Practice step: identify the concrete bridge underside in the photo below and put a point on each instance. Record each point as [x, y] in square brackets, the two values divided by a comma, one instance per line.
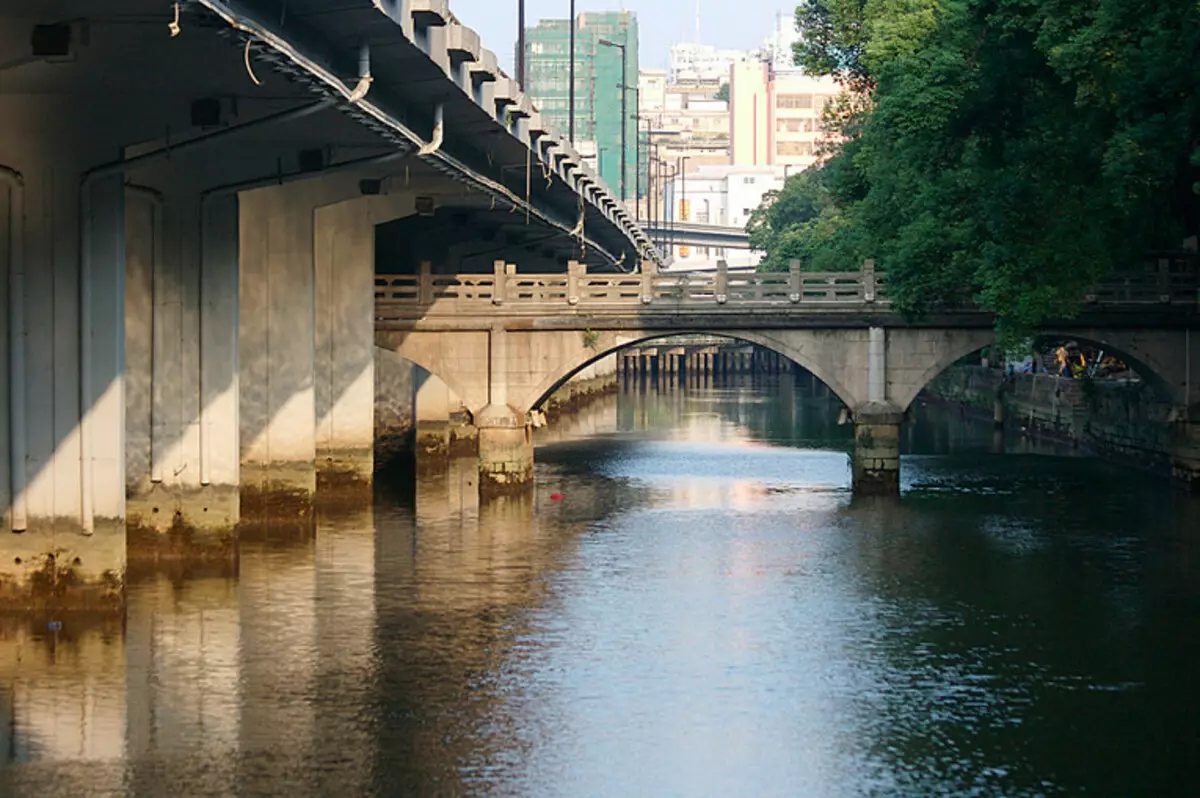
[190, 205]
[192, 233]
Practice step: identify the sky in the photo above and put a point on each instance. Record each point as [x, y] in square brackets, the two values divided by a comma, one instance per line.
[737, 24]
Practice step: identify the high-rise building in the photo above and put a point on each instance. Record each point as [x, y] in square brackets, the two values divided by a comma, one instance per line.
[598, 87]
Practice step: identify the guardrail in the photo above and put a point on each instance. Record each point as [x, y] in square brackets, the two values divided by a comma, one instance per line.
[397, 295]
[576, 288]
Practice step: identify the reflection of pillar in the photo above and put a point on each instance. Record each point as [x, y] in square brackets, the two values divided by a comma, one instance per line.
[876, 461]
[65, 698]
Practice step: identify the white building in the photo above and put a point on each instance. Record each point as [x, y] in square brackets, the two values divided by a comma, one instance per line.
[778, 45]
[702, 63]
[719, 195]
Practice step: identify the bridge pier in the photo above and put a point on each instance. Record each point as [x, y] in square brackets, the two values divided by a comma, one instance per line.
[505, 453]
[876, 458]
[1185, 460]
[181, 426]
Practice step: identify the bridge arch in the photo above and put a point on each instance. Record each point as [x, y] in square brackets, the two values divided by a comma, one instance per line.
[608, 343]
[1145, 355]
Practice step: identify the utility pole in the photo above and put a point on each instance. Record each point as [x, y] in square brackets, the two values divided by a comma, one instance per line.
[520, 65]
[571, 81]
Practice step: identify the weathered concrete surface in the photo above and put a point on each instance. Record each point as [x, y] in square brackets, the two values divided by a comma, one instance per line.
[181, 411]
[1185, 457]
[394, 398]
[69, 546]
[344, 357]
[876, 458]
[505, 453]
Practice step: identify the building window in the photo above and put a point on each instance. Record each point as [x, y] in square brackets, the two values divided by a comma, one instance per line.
[796, 125]
[794, 101]
[748, 181]
[794, 148]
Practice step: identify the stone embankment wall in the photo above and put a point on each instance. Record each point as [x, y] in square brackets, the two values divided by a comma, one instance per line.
[1122, 420]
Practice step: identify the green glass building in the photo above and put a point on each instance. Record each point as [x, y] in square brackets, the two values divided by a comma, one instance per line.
[597, 85]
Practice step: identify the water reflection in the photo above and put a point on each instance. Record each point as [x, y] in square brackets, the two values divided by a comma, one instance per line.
[707, 611]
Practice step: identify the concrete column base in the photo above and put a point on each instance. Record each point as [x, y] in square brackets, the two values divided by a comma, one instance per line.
[177, 523]
[277, 501]
[53, 566]
[505, 453]
[876, 460]
[345, 476]
[1185, 458]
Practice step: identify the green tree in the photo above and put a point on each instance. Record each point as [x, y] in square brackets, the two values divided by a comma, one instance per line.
[1012, 150]
[722, 93]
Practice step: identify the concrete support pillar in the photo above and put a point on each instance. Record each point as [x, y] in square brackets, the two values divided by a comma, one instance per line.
[877, 365]
[276, 357]
[1185, 459]
[876, 459]
[344, 262]
[65, 536]
[182, 440]
[505, 436]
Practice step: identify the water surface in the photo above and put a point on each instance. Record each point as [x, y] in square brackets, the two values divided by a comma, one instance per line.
[706, 612]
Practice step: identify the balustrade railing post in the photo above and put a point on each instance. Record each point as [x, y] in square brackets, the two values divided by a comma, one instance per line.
[1164, 280]
[499, 282]
[648, 275]
[575, 270]
[793, 281]
[425, 283]
[722, 286]
[868, 272]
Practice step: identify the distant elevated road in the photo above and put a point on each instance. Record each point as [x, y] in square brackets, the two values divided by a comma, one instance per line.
[699, 235]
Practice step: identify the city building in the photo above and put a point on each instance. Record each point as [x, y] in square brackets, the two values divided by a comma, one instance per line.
[775, 116]
[598, 91]
[778, 46]
[703, 64]
[718, 195]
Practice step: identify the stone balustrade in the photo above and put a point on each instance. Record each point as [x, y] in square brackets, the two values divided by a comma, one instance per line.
[400, 297]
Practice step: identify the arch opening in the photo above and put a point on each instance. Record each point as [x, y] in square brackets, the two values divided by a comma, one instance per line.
[1100, 359]
[610, 344]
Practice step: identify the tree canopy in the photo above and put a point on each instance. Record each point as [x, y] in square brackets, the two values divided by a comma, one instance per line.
[1015, 149]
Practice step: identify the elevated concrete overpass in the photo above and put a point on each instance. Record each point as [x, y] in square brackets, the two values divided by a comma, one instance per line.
[193, 198]
[699, 235]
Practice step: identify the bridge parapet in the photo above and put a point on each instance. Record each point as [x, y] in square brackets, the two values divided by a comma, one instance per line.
[402, 297]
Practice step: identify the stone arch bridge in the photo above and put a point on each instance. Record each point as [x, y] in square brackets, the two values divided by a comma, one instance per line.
[504, 341]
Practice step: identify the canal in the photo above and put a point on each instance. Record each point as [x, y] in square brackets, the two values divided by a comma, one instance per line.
[691, 604]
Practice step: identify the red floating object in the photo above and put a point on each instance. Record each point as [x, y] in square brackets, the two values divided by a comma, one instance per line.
[557, 497]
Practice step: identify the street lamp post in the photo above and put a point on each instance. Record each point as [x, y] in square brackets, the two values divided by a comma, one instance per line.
[521, 44]
[571, 80]
[624, 111]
